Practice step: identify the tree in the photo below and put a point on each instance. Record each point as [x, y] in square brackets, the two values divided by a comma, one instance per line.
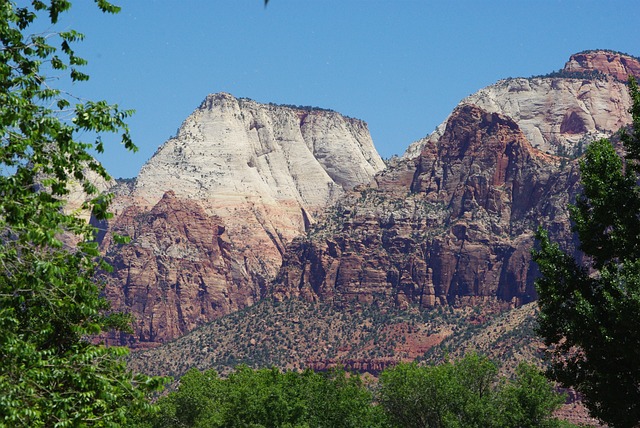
[51, 374]
[590, 311]
[268, 398]
[196, 403]
[468, 393]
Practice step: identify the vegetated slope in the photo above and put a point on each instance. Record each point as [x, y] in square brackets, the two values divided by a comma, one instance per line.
[296, 334]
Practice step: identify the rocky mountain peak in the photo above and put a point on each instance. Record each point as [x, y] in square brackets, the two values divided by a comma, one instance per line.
[616, 64]
[459, 231]
[257, 174]
[301, 155]
[560, 113]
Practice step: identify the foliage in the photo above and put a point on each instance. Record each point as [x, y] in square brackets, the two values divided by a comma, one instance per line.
[51, 374]
[296, 334]
[566, 74]
[468, 393]
[268, 398]
[590, 311]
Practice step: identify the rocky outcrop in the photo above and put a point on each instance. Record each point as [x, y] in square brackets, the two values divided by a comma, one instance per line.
[259, 172]
[234, 149]
[266, 170]
[616, 64]
[459, 231]
[179, 271]
[564, 111]
[453, 223]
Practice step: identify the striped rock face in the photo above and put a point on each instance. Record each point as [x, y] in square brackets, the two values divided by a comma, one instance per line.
[562, 112]
[261, 173]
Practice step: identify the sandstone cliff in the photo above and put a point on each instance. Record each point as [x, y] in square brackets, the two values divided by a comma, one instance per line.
[564, 111]
[616, 64]
[258, 172]
[179, 271]
[454, 225]
[265, 170]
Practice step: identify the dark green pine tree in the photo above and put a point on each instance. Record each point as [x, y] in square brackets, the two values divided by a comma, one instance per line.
[590, 312]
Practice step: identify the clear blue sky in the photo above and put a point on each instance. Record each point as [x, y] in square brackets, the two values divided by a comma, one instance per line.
[401, 66]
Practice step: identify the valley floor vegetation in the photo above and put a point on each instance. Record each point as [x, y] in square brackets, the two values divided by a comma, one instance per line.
[465, 393]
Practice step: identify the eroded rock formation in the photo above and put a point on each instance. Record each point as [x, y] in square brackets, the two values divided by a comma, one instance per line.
[451, 222]
[179, 271]
[258, 172]
[564, 111]
[615, 64]
[460, 230]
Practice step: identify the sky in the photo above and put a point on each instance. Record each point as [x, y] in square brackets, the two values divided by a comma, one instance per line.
[400, 65]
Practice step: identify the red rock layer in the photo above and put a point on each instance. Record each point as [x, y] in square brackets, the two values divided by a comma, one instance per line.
[615, 64]
[179, 271]
[455, 225]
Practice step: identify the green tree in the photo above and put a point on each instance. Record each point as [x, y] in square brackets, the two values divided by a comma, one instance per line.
[196, 403]
[468, 393]
[590, 311]
[269, 398]
[51, 374]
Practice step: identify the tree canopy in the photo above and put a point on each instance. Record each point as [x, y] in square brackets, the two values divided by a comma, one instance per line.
[467, 393]
[51, 374]
[590, 313]
[268, 398]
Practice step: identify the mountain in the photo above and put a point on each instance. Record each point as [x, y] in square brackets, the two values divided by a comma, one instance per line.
[427, 258]
[563, 111]
[251, 200]
[181, 270]
[456, 223]
[211, 213]
[453, 226]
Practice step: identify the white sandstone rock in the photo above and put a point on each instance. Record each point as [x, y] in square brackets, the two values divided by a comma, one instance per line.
[555, 114]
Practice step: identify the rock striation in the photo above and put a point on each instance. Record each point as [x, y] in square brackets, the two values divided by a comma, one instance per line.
[300, 195]
[238, 148]
[454, 225]
[266, 170]
[562, 112]
[615, 64]
[260, 173]
[179, 271]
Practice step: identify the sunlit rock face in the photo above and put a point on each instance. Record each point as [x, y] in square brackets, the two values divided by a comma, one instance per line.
[453, 220]
[265, 170]
[300, 195]
[179, 271]
[615, 64]
[561, 113]
[453, 226]
[260, 172]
